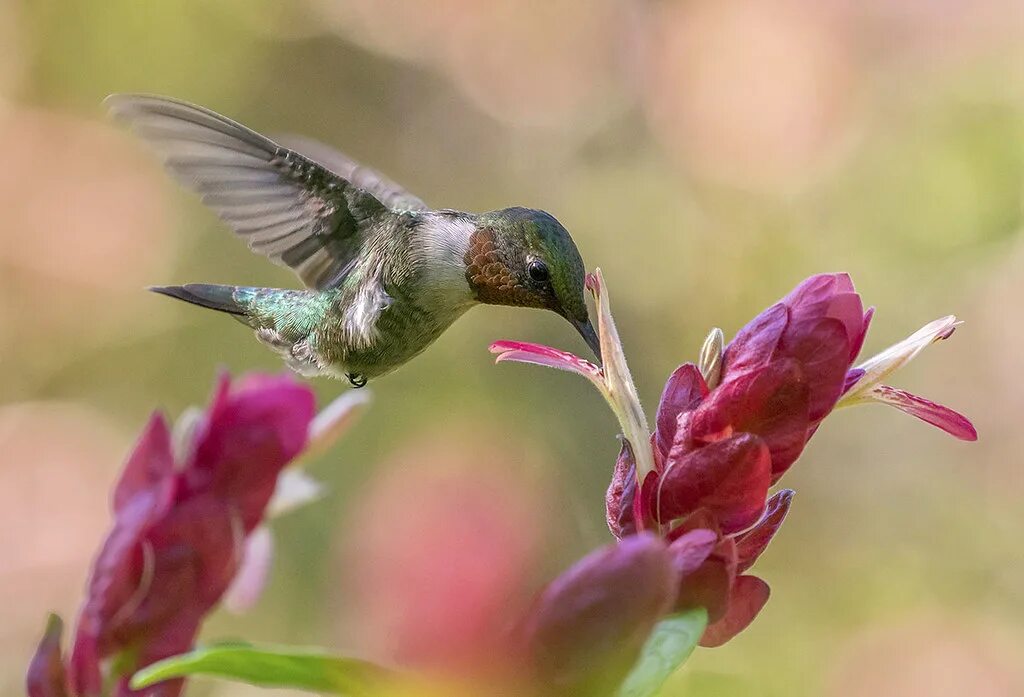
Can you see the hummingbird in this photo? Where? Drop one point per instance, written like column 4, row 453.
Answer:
column 385, row 275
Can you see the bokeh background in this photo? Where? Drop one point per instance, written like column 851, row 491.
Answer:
column 708, row 154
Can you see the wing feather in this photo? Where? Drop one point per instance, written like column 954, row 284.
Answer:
column 383, row 189
column 292, row 209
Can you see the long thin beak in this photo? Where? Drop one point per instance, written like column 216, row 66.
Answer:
column 586, row 330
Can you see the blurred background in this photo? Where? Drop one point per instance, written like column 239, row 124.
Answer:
column 707, row 154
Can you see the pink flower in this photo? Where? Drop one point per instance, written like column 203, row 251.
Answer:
column 181, row 521
column 728, row 429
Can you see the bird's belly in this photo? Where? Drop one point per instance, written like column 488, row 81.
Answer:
column 401, row 332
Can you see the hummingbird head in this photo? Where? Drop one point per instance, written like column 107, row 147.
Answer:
column 526, row 258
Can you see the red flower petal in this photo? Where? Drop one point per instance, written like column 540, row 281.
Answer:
column 813, row 295
column 830, row 296
column 645, row 504
column 852, row 376
column 857, row 342
column 83, row 669
column 621, row 493
column 114, row 583
column 748, row 596
column 753, row 542
column 952, row 422
column 538, row 354
column 587, row 627
column 250, row 435
column 197, row 549
column 754, row 345
column 822, row 348
column 46, row 676
column 149, row 466
column 659, row 457
column 818, row 288
column 729, row 477
column 771, row 403
column 848, row 309
column 710, row 585
column 178, row 638
column 690, row 550
column 187, row 565
column 701, row 519
column 683, row 391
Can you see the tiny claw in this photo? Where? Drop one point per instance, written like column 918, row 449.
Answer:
column 357, row 380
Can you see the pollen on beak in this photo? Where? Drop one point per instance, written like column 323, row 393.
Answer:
column 586, row 330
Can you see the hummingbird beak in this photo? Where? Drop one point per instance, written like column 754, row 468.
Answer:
column 586, row 330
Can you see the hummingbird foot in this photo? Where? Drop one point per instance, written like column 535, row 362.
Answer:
column 356, row 380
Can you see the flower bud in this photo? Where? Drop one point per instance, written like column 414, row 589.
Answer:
column 710, row 362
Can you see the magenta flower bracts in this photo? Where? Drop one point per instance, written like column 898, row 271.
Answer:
column 180, row 524
column 185, row 508
column 728, row 429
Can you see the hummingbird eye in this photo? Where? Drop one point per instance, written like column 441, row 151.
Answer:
column 538, row 271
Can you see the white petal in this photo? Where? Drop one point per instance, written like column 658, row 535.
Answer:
column 183, row 436
column 879, row 367
column 334, row 419
column 621, row 395
column 251, row 578
column 295, row 488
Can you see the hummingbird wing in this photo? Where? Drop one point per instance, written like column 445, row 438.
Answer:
column 391, row 194
column 286, row 206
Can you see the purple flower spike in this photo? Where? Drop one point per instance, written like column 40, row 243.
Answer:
column 729, row 427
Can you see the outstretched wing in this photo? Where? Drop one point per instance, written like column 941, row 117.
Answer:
column 391, row 194
column 286, row 206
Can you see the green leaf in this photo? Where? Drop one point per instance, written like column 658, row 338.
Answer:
column 670, row 644
column 269, row 666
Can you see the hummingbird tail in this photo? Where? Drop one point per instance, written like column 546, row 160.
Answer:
column 208, row 295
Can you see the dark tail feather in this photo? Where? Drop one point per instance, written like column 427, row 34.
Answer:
column 214, row 297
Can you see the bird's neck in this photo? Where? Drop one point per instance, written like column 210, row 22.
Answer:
column 442, row 241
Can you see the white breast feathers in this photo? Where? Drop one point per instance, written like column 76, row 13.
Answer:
column 359, row 325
